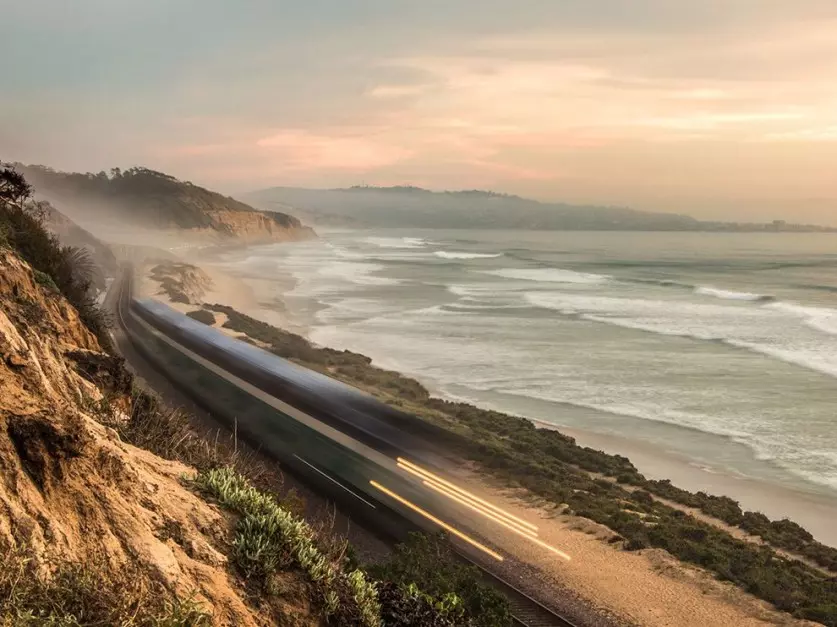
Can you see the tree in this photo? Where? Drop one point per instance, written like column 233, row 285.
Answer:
column 13, row 187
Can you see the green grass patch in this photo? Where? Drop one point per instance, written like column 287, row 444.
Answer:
column 269, row 539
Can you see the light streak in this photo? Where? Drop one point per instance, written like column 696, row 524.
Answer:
column 470, row 503
column 526, row 534
column 451, row 495
column 476, row 504
column 426, row 474
column 432, row 518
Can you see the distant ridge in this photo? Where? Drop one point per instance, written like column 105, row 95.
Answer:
column 416, row 207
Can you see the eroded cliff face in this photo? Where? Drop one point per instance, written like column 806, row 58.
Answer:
column 70, row 490
column 255, row 226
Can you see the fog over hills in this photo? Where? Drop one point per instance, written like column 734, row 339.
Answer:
column 414, row 207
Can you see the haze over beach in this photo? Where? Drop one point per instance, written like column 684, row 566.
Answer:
column 552, row 282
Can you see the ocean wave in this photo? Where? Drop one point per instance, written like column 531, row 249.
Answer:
column 659, row 282
column 764, row 330
column 444, row 254
column 821, row 319
column 817, row 466
column 357, row 273
column 466, row 291
column 550, row 275
column 473, row 304
column 397, row 242
column 731, row 295
column 343, row 253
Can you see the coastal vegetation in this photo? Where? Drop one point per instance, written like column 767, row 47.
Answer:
column 69, row 269
column 592, row 484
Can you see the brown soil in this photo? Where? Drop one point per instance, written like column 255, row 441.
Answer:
column 72, row 492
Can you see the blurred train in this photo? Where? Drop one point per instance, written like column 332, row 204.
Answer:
column 336, row 438
column 341, row 406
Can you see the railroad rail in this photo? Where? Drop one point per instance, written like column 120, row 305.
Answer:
column 526, row 610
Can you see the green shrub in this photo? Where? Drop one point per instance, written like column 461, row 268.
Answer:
column 269, row 538
column 70, row 269
column 427, row 563
column 202, row 315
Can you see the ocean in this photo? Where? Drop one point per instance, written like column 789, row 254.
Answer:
column 720, row 348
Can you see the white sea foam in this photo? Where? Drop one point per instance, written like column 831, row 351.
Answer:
column 356, row 273
column 731, row 295
column 468, row 291
column 444, row 254
column 768, row 330
column 821, row 319
column 397, row 242
column 550, row 275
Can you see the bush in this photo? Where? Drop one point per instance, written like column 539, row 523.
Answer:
column 429, row 564
column 202, row 315
column 268, row 538
column 69, row 269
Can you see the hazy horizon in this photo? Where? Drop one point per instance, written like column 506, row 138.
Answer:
column 722, row 110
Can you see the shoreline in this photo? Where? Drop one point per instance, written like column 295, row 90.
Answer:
column 814, row 511
column 640, row 587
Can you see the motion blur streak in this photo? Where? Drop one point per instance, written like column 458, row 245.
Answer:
column 451, row 495
column 470, row 503
column 425, row 474
column 432, row 518
column 525, row 533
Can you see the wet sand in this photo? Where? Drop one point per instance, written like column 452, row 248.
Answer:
column 816, row 512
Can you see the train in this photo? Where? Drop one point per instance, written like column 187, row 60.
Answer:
column 342, row 442
column 335, row 438
column 332, row 402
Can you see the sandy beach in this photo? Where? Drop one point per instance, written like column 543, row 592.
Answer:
column 815, row 512
column 647, row 587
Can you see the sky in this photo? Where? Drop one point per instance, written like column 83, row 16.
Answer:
column 724, row 109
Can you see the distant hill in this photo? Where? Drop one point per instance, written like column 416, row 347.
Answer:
column 414, row 207
column 154, row 200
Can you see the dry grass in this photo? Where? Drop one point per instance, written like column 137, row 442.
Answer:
column 67, row 594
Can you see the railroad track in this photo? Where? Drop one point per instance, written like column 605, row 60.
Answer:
column 526, row 611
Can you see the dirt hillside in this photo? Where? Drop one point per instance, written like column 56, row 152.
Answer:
column 71, row 491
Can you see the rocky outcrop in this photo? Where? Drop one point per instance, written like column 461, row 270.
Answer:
column 258, row 226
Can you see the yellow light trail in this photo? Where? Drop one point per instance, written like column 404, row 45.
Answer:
column 525, row 533
column 426, row 474
column 472, row 506
column 468, row 502
column 432, row 518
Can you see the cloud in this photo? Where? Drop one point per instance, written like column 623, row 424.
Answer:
column 300, row 149
column 616, row 101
